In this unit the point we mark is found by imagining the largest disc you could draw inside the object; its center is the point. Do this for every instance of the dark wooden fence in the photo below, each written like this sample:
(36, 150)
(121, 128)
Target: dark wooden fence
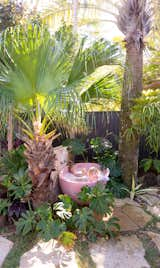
(106, 124)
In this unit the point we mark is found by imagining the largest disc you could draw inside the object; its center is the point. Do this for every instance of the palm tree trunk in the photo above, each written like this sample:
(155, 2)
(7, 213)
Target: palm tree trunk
(132, 88)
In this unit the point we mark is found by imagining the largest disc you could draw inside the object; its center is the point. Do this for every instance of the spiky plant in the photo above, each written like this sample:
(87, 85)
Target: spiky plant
(134, 21)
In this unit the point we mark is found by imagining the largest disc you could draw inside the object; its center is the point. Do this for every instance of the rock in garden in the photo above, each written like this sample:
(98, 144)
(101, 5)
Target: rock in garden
(5, 247)
(155, 238)
(127, 252)
(48, 255)
(155, 210)
(130, 214)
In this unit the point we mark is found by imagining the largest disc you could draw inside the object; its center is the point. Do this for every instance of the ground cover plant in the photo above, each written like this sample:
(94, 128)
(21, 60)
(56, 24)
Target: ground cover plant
(64, 220)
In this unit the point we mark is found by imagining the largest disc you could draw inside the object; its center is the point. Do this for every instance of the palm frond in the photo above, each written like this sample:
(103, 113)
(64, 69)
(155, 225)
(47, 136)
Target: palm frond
(39, 66)
(134, 18)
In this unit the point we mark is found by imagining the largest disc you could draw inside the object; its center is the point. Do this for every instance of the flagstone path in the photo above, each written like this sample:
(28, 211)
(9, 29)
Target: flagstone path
(125, 251)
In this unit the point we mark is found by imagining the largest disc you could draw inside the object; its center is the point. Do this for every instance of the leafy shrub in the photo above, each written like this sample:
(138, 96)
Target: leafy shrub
(104, 155)
(100, 199)
(82, 219)
(76, 146)
(19, 185)
(12, 161)
(149, 163)
(26, 223)
(4, 204)
(117, 188)
(64, 216)
(50, 229)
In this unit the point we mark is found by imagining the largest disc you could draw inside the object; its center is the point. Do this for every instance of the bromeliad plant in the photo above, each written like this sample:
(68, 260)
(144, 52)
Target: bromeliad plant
(137, 190)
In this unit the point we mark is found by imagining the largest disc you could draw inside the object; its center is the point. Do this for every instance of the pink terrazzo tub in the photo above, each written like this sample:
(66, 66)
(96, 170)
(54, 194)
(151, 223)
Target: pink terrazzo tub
(80, 175)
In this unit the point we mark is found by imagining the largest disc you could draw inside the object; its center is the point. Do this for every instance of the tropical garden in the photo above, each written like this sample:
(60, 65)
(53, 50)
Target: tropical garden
(62, 75)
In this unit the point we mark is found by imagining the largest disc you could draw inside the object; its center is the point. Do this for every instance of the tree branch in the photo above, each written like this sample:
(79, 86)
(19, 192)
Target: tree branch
(154, 85)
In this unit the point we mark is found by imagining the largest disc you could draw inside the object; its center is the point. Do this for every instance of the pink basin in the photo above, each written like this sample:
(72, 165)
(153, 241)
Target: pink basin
(72, 182)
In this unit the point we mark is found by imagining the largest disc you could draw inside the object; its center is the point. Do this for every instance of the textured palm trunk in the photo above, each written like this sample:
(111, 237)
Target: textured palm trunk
(44, 164)
(40, 157)
(132, 88)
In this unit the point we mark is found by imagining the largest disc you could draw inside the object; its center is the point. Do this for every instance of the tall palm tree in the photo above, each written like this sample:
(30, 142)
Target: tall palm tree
(41, 74)
(134, 20)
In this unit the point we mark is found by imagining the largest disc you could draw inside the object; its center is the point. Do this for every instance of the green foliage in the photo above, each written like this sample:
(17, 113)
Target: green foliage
(100, 199)
(82, 219)
(67, 201)
(12, 161)
(76, 146)
(105, 156)
(150, 163)
(4, 204)
(102, 92)
(136, 190)
(156, 165)
(146, 164)
(146, 120)
(117, 188)
(67, 239)
(112, 226)
(38, 65)
(14, 170)
(50, 229)
(44, 212)
(27, 223)
(19, 186)
(58, 220)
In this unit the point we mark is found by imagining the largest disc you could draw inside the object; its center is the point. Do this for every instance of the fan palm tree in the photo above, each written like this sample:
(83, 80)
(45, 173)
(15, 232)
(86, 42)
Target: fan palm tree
(134, 20)
(41, 73)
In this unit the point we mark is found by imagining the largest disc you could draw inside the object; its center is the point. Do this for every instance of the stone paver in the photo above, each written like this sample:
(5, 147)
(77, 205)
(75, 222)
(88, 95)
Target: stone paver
(155, 238)
(48, 255)
(150, 200)
(124, 201)
(128, 252)
(131, 215)
(5, 247)
(137, 215)
(154, 210)
(126, 224)
(158, 225)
